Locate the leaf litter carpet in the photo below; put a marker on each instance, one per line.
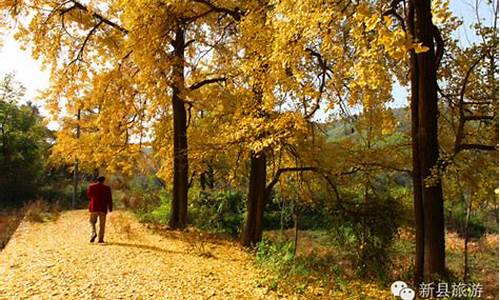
(55, 260)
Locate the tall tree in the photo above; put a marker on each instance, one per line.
(432, 195)
(23, 144)
(416, 173)
(124, 61)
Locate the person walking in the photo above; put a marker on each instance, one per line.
(100, 204)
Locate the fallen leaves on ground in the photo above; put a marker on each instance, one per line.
(54, 260)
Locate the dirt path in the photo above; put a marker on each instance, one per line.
(55, 260)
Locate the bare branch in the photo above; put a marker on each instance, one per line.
(462, 118)
(87, 38)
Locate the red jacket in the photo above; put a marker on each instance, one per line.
(99, 195)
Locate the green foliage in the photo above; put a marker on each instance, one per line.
(160, 213)
(366, 231)
(456, 221)
(215, 211)
(218, 211)
(59, 188)
(147, 198)
(277, 256)
(23, 145)
(297, 272)
(279, 214)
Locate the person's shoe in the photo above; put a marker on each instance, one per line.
(100, 242)
(92, 238)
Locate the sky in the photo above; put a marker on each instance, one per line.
(30, 73)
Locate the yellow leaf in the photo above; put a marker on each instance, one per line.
(419, 48)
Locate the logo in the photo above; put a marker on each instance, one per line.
(400, 289)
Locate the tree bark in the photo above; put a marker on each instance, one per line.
(257, 196)
(296, 215)
(75, 171)
(178, 217)
(432, 195)
(417, 180)
(207, 178)
(203, 181)
(468, 205)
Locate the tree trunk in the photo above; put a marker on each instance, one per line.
(432, 195)
(417, 180)
(282, 217)
(207, 178)
(211, 177)
(75, 184)
(95, 174)
(256, 201)
(178, 217)
(466, 239)
(75, 171)
(296, 229)
(203, 181)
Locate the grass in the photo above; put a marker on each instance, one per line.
(318, 271)
(41, 211)
(322, 270)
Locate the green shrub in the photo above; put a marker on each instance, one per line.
(456, 221)
(217, 211)
(160, 214)
(279, 215)
(278, 256)
(148, 199)
(366, 232)
(41, 211)
(289, 271)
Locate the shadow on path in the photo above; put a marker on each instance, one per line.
(142, 247)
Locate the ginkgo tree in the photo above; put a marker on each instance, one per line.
(469, 93)
(124, 64)
(293, 61)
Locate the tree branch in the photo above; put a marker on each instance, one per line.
(236, 13)
(189, 43)
(276, 178)
(205, 82)
(462, 118)
(478, 118)
(87, 38)
(439, 46)
(324, 70)
(393, 11)
(477, 147)
(78, 5)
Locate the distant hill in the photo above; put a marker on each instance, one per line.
(344, 127)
